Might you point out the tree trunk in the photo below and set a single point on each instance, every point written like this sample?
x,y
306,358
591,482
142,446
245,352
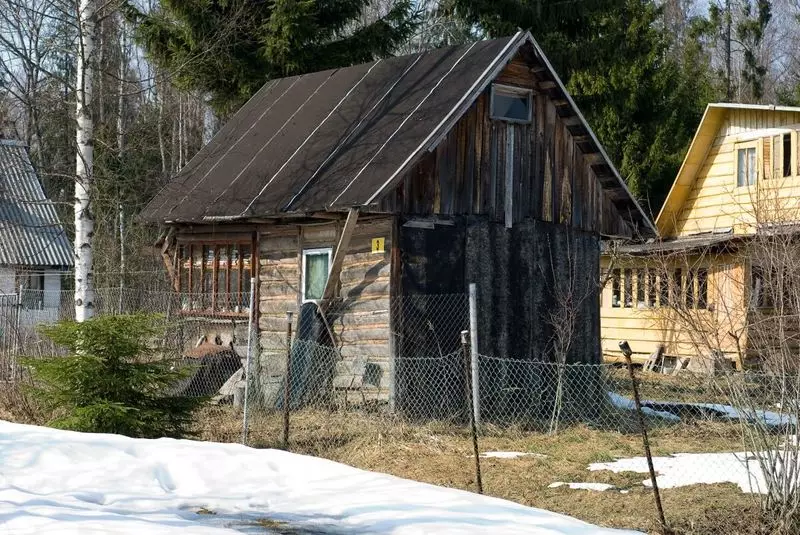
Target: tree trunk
x,y
728,73
84,222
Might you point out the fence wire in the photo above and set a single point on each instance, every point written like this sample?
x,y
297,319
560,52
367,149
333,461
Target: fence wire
x,y
364,375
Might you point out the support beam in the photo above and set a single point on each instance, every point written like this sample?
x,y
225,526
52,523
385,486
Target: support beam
x,y
170,263
339,254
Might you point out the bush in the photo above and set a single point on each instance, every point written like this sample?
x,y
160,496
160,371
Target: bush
x,y
110,382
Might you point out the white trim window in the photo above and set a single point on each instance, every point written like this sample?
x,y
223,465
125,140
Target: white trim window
x,y
746,165
316,269
511,104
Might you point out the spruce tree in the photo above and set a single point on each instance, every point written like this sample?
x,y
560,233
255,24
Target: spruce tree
x,y
110,382
613,55
228,49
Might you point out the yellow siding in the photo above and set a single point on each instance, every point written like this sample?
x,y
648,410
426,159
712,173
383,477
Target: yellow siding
x,y
715,202
688,333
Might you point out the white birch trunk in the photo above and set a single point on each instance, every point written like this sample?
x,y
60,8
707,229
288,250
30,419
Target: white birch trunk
x,y
84,221
209,120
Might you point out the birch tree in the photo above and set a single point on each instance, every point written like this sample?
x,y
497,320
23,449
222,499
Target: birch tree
x,y
84,163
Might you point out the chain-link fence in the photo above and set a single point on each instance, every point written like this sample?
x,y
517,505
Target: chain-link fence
x,y
389,386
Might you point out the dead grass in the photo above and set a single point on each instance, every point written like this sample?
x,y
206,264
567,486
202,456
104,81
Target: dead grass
x,y
439,453
16,405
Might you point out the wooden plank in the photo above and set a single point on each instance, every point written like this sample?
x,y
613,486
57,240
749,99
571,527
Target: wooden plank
x,y
340,253
508,212
477,177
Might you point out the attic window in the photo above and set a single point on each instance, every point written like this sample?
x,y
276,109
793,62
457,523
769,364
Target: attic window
x,y
512,104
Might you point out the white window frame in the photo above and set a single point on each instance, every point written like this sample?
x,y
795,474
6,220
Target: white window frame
x,y
511,90
316,251
758,150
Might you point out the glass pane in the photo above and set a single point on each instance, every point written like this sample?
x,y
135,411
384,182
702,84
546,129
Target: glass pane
x,y
742,167
510,106
751,168
316,275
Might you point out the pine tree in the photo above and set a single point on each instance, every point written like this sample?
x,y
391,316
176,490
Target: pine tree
x,y
110,382
229,49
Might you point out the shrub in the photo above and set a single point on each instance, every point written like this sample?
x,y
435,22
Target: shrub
x,y
110,382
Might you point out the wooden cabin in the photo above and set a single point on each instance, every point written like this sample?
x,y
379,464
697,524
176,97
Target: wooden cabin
x,y
374,190
690,296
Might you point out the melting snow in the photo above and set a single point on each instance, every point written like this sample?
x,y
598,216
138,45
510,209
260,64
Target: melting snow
x,y
600,487
683,469
63,482
511,454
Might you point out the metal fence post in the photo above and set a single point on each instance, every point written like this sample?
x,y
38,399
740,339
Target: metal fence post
x,y
473,427
250,317
626,350
473,343
287,387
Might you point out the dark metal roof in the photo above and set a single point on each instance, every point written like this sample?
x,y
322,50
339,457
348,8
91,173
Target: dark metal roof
x,y
31,234
331,140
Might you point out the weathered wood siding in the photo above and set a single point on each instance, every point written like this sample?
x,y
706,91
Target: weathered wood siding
x,y
552,179
715,202
359,320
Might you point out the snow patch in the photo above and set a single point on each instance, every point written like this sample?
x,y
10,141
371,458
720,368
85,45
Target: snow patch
x,y
683,469
600,487
511,455
63,482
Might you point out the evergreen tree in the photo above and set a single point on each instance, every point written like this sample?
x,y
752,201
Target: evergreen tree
x,y
613,56
110,382
229,48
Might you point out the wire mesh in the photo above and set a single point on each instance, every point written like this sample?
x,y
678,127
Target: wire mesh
x,y
356,377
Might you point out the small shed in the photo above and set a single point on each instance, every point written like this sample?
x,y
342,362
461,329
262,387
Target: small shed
x,y
35,250
372,188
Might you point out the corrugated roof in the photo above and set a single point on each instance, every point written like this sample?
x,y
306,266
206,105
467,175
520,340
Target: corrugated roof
x,y
332,140
31,234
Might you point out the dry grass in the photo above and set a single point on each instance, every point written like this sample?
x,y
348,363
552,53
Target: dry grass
x,y
16,405
439,453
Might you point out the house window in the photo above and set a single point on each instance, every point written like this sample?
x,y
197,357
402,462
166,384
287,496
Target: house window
x,y
215,277
746,166
616,298
702,288
677,287
627,299
511,104
316,267
690,300
663,289
651,287
787,154
640,289
32,290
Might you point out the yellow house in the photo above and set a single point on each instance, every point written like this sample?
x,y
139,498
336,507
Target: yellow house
x,y
690,296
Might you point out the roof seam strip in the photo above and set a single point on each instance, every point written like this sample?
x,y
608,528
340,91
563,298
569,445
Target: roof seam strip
x,y
402,124
264,146
478,83
330,114
351,134
166,200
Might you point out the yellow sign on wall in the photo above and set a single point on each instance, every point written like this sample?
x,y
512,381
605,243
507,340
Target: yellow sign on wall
x,y
378,245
